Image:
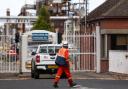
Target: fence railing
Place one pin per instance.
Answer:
(9, 62)
(82, 51)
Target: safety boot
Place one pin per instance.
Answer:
(55, 85)
(73, 85)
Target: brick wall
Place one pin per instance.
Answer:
(114, 24)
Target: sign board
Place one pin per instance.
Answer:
(57, 1)
(39, 36)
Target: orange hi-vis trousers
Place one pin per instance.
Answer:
(66, 70)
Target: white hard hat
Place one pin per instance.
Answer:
(65, 43)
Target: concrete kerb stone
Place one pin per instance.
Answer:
(8, 75)
(119, 76)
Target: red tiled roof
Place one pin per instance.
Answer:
(110, 9)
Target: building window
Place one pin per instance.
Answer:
(119, 42)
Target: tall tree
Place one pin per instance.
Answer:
(43, 21)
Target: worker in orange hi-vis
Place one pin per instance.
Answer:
(63, 52)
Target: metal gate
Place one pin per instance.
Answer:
(83, 51)
(9, 62)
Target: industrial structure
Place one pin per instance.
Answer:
(58, 9)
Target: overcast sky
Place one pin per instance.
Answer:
(15, 5)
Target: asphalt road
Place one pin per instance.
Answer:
(47, 84)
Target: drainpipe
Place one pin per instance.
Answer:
(98, 49)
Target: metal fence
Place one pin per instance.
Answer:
(82, 51)
(9, 61)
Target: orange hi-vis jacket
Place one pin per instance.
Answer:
(63, 52)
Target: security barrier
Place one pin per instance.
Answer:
(9, 61)
(82, 51)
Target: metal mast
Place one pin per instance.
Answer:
(86, 13)
(87, 9)
(83, 9)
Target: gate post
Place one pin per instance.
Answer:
(98, 49)
(24, 51)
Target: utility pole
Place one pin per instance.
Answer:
(84, 10)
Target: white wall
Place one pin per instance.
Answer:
(118, 61)
(24, 53)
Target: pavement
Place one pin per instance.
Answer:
(102, 76)
(75, 75)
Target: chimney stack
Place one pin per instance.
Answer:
(8, 12)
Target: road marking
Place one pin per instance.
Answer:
(82, 87)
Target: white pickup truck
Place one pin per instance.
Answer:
(43, 61)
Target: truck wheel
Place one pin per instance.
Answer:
(32, 70)
(36, 74)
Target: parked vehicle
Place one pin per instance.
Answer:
(43, 61)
